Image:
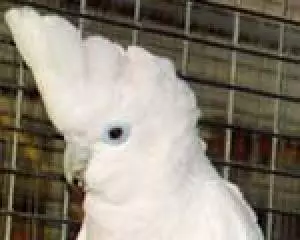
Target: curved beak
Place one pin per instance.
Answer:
(76, 158)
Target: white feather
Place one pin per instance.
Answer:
(158, 184)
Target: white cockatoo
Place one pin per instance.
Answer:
(130, 127)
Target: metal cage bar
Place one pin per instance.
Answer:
(276, 130)
(231, 95)
(137, 11)
(17, 123)
(187, 26)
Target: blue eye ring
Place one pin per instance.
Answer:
(116, 133)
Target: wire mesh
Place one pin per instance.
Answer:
(241, 58)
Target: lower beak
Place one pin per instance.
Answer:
(78, 179)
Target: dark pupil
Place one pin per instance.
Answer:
(115, 133)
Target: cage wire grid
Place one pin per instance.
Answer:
(240, 57)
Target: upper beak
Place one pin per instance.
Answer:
(76, 159)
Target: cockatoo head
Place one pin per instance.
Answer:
(121, 111)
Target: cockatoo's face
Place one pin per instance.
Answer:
(119, 109)
(146, 112)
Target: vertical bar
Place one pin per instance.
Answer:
(276, 116)
(64, 232)
(34, 204)
(82, 11)
(231, 96)
(137, 10)
(17, 123)
(34, 201)
(187, 29)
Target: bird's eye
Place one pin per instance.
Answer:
(116, 133)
